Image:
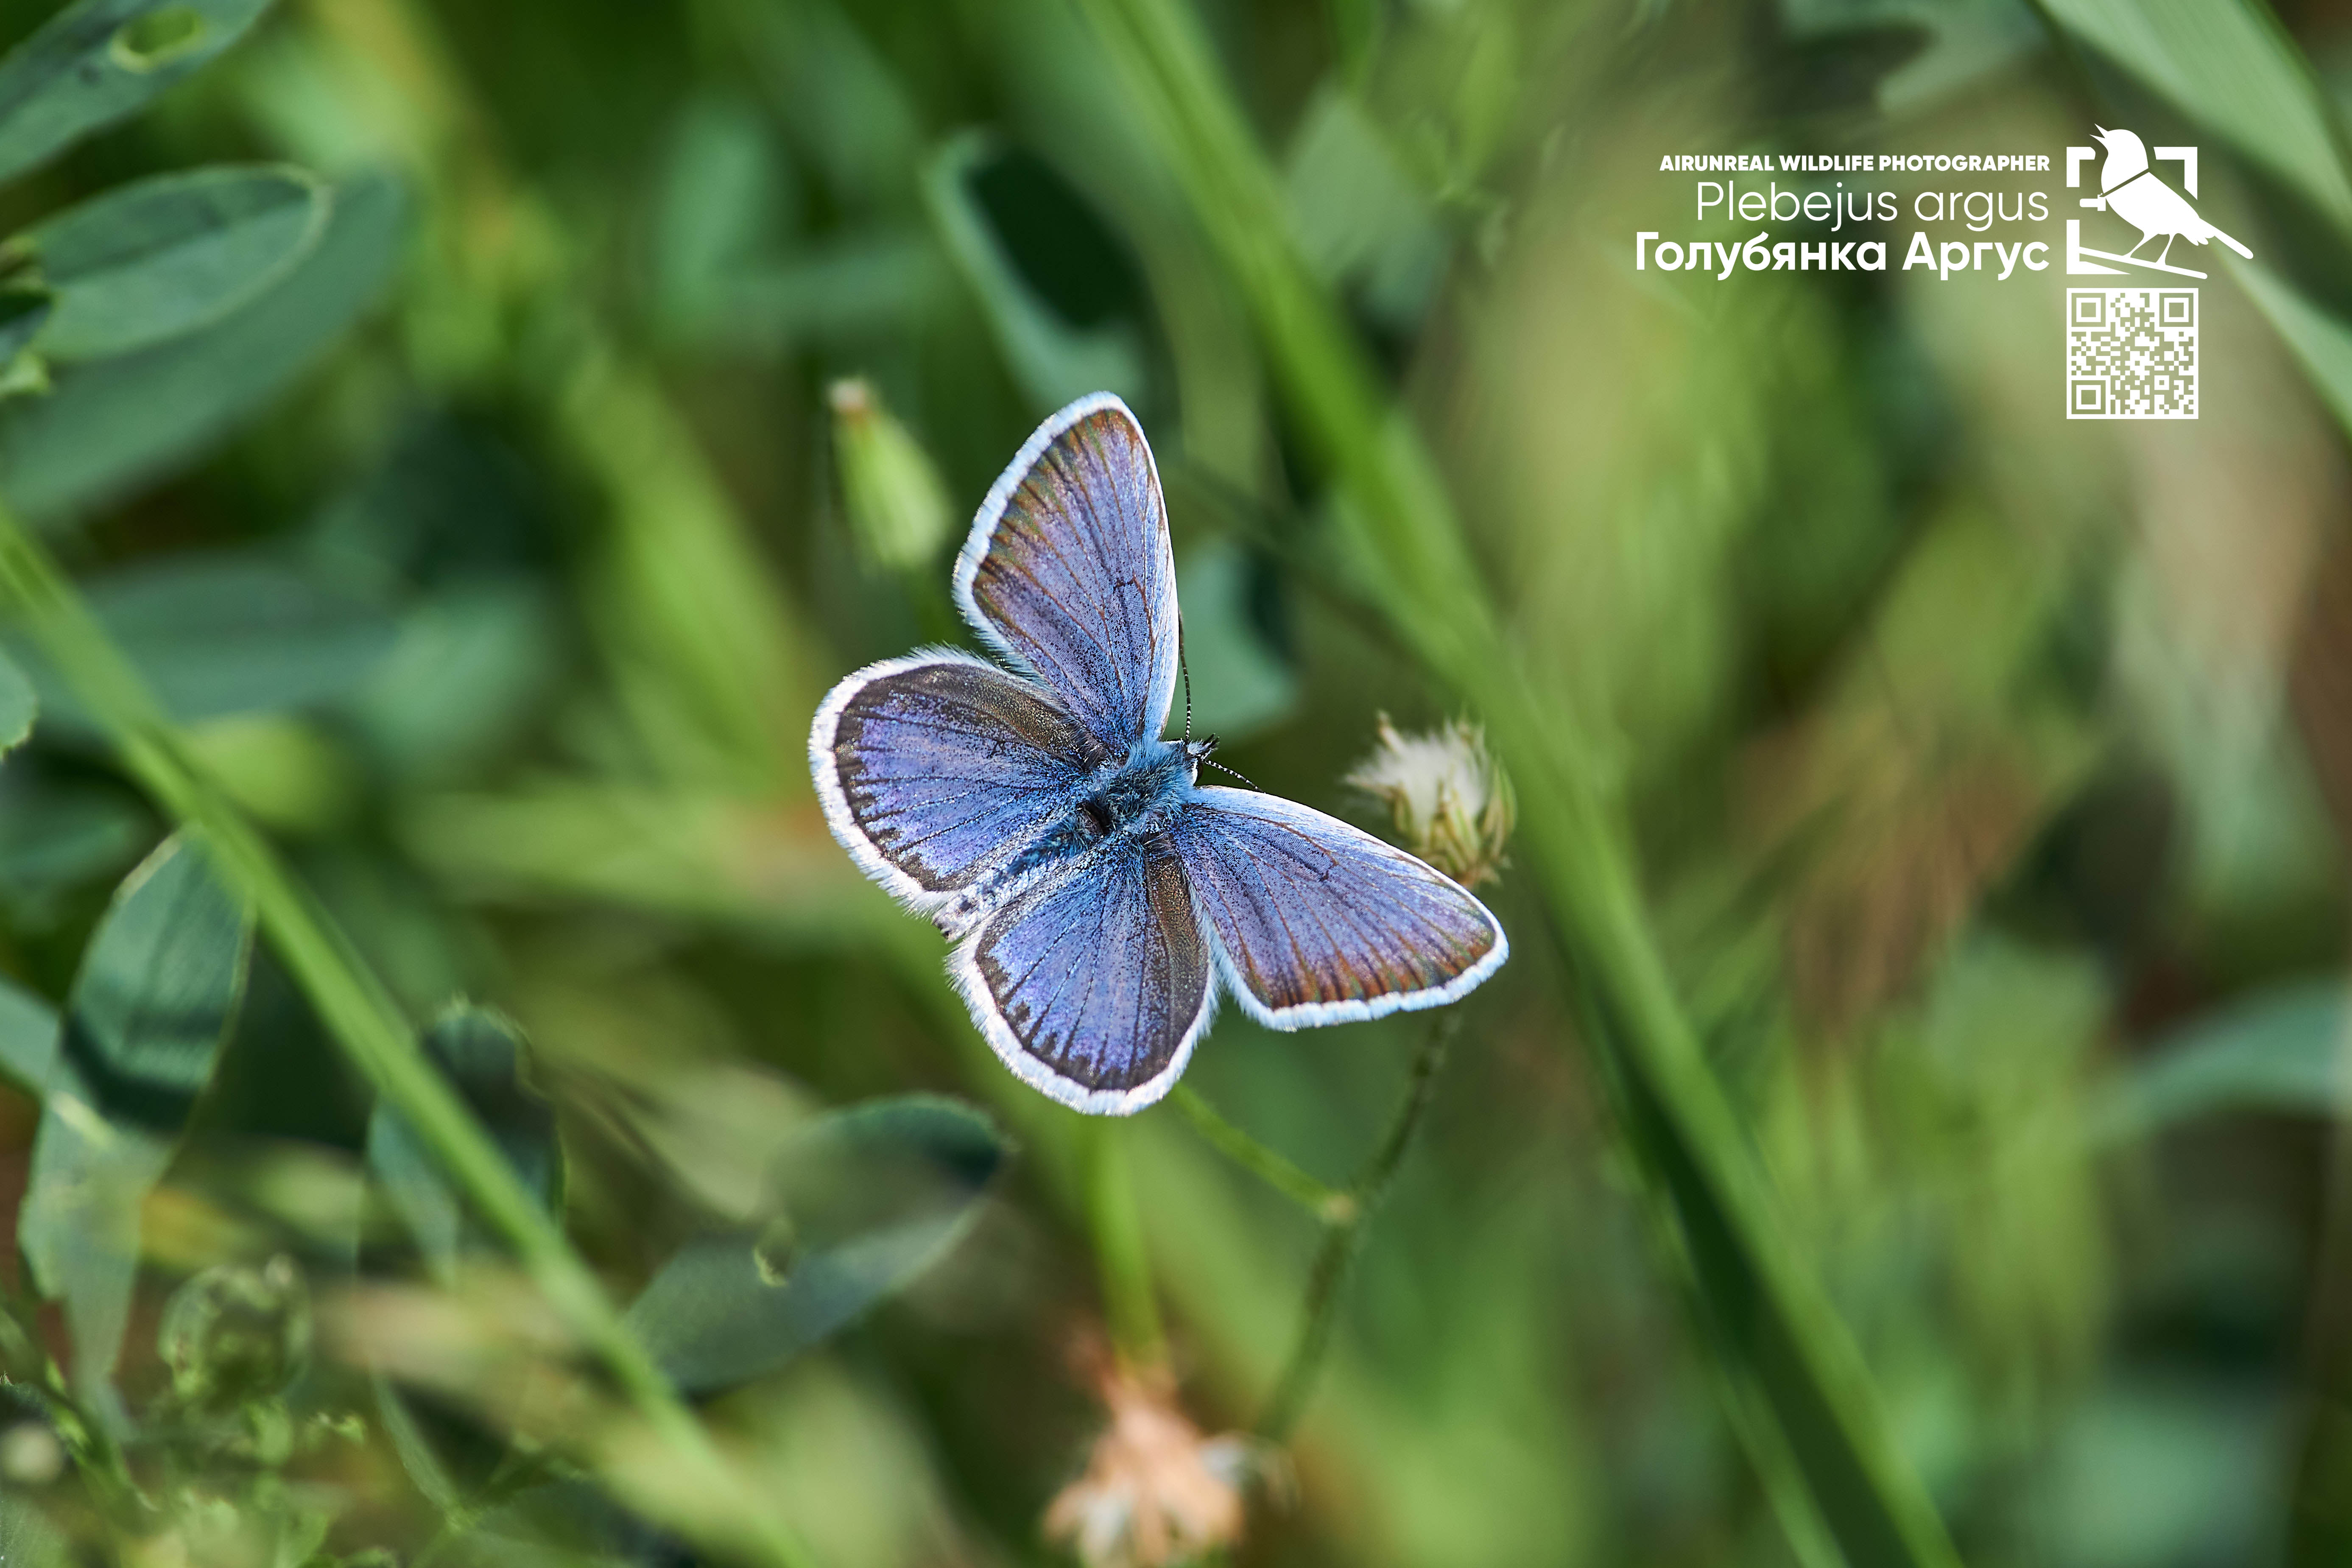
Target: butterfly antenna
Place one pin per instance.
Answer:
(1235, 772)
(1186, 671)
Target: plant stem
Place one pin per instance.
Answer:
(1118, 1226)
(1324, 1202)
(367, 1024)
(1343, 1234)
(1750, 1287)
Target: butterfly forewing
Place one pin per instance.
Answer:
(1095, 986)
(935, 767)
(1321, 922)
(1068, 569)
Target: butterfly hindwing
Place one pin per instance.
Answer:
(1319, 923)
(1069, 571)
(934, 767)
(1094, 986)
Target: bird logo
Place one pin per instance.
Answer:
(2130, 188)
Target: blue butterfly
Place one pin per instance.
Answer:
(1099, 896)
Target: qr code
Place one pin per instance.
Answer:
(2131, 353)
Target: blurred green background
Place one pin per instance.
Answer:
(1985, 775)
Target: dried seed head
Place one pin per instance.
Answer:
(1451, 802)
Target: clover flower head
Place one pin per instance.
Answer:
(1155, 1491)
(1451, 800)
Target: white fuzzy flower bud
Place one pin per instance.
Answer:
(1452, 802)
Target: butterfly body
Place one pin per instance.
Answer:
(1099, 897)
(1142, 793)
(1130, 797)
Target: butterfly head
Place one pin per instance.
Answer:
(1197, 753)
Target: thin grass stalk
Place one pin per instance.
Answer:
(1116, 1221)
(366, 1021)
(1343, 1237)
(1329, 1205)
(1751, 1286)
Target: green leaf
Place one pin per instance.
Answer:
(414, 1448)
(57, 833)
(25, 310)
(730, 275)
(867, 1200)
(151, 260)
(482, 1052)
(227, 633)
(28, 1041)
(2282, 1050)
(107, 426)
(99, 60)
(2227, 64)
(1053, 359)
(2168, 1465)
(18, 705)
(150, 1006)
(27, 1539)
(467, 670)
(157, 989)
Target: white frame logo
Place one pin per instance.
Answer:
(2131, 188)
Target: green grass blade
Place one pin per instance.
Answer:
(18, 705)
(2318, 339)
(1751, 1288)
(722, 1513)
